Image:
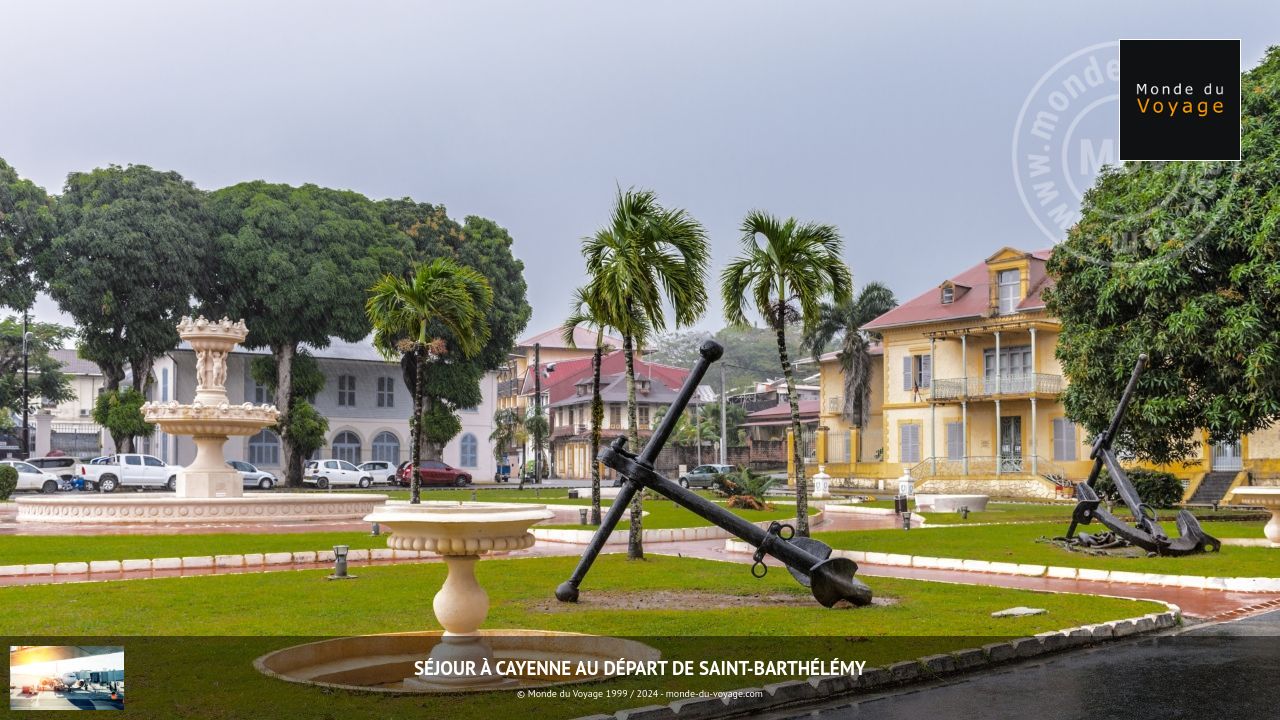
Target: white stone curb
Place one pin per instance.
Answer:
(118, 567)
(1235, 584)
(757, 700)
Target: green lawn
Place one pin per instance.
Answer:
(30, 549)
(1009, 512)
(272, 610)
(1018, 543)
(663, 514)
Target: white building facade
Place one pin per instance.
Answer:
(364, 399)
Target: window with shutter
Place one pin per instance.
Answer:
(907, 372)
(955, 441)
(926, 370)
(1064, 439)
(909, 443)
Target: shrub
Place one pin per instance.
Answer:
(1156, 488)
(8, 481)
(744, 490)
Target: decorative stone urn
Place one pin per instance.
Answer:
(1267, 497)
(460, 533)
(210, 419)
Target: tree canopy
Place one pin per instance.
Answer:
(44, 373)
(131, 245)
(26, 224)
(1180, 261)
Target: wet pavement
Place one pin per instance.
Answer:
(1212, 671)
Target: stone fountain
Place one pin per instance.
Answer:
(1265, 497)
(208, 491)
(460, 532)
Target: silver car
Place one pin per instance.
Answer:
(704, 475)
(381, 470)
(252, 476)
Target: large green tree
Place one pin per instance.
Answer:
(26, 224)
(485, 247)
(404, 311)
(646, 258)
(785, 271)
(1181, 261)
(295, 264)
(307, 427)
(131, 245)
(44, 379)
(843, 321)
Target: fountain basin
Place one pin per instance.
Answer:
(170, 509)
(381, 663)
(459, 528)
(1266, 497)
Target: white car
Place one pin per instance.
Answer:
(381, 470)
(130, 470)
(325, 473)
(31, 477)
(252, 476)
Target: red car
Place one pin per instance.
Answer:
(434, 472)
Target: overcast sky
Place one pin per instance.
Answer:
(892, 120)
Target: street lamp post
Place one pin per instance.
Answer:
(26, 390)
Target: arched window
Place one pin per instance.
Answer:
(386, 446)
(468, 451)
(346, 446)
(264, 448)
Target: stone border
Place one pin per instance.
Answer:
(127, 508)
(204, 562)
(1233, 584)
(931, 667)
(690, 534)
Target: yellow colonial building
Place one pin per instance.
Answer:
(965, 398)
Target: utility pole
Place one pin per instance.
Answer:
(724, 436)
(537, 409)
(26, 391)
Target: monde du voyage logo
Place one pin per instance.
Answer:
(1179, 100)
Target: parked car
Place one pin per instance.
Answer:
(31, 477)
(381, 470)
(324, 473)
(252, 476)
(64, 466)
(435, 472)
(131, 470)
(703, 476)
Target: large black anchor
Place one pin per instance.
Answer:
(830, 579)
(1145, 532)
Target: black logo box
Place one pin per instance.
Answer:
(1161, 77)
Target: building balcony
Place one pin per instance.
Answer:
(947, 390)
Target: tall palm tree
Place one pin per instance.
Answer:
(646, 258)
(586, 311)
(845, 320)
(406, 313)
(786, 269)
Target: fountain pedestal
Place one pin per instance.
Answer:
(460, 533)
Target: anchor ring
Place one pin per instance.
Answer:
(764, 570)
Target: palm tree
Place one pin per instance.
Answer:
(408, 312)
(786, 277)
(504, 433)
(844, 320)
(645, 258)
(586, 311)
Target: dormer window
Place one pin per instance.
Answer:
(948, 294)
(1009, 289)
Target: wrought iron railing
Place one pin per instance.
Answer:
(1020, 384)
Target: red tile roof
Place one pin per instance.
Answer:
(782, 411)
(559, 383)
(971, 303)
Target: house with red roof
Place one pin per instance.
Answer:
(965, 390)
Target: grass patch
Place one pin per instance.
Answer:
(212, 677)
(30, 549)
(1011, 512)
(1018, 543)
